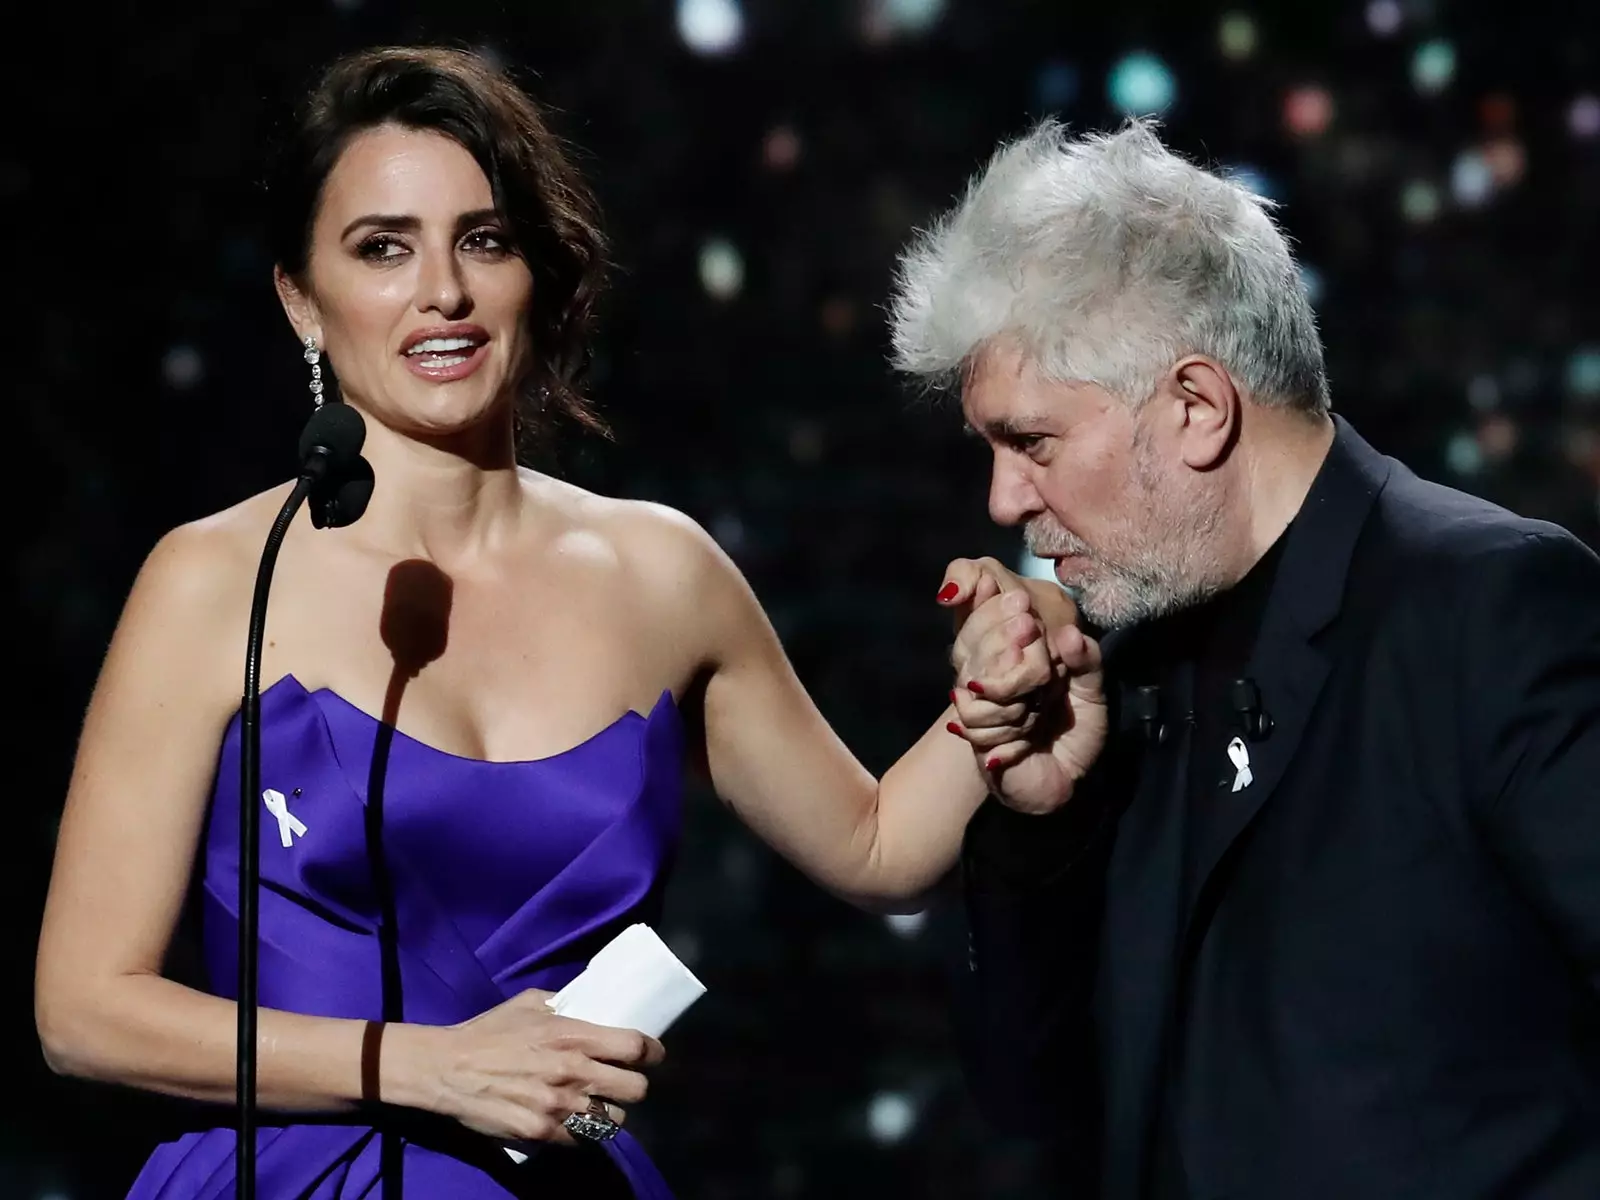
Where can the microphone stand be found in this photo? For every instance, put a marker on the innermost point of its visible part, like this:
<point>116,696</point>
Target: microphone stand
<point>331,471</point>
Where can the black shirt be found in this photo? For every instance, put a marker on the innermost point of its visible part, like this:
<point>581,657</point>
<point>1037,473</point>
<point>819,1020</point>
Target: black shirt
<point>1212,643</point>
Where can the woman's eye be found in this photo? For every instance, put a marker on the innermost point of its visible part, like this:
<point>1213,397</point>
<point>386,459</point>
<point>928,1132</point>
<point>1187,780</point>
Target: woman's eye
<point>379,247</point>
<point>487,241</point>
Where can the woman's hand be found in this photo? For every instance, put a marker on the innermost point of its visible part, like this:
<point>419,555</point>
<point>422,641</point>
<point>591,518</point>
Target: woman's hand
<point>1029,691</point>
<point>519,1070</point>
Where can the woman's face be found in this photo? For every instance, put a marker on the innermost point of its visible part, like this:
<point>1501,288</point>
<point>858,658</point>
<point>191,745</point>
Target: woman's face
<point>414,289</point>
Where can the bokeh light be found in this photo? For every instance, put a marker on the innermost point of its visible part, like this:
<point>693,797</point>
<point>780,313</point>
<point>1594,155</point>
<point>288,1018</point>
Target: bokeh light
<point>1506,160</point>
<point>182,367</point>
<point>1307,110</point>
<point>710,26</point>
<point>1419,201</point>
<point>721,269</point>
<point>1236,36</point>
<point>890,1116</point>
<point>1141,85</point>
<point>1583,117</point>
<point>1311,279</point>
<point>1384,17</point>
<point>1252,179</point>
<point>1583,373</point>
<point>1433,66</point>
<point>1471,180</point>
<point>1463,454</point>
<point>900,17</point>
<point>780,149</point>
<point>1483,393</point>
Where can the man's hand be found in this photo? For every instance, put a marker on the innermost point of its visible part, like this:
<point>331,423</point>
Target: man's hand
<point>1028,683</point>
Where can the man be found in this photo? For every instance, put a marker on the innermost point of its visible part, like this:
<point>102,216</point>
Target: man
<point>1316,913</point>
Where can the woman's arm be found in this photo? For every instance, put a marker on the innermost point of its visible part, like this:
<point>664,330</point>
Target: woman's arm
<point>773,758</point>
<point>128,837</point>
<point>126,846</point>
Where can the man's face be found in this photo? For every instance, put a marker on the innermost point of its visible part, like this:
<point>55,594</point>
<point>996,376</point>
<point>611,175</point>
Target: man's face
<point>1130,527</point>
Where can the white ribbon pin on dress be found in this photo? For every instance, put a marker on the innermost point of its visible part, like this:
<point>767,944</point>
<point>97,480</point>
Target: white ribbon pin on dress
<point>1239,756</point>
<point>288,824</point>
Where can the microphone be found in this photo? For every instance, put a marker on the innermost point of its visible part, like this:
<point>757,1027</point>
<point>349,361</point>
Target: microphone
<point>1143,707</point>
<point>331,441</point>
<point>339,482</point>
<point>1244,697</point>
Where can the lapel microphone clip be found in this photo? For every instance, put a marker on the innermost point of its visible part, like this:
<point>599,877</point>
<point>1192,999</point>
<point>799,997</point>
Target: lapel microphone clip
<point>1245,699</point>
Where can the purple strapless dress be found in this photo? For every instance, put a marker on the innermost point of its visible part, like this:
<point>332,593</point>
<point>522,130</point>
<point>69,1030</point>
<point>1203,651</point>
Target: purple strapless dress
<point>488,878</point>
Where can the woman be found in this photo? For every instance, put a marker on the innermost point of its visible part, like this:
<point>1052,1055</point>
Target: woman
<point>549,657</point>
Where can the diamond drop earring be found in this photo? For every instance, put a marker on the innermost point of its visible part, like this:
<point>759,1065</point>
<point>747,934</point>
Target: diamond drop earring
<point>314,357</point>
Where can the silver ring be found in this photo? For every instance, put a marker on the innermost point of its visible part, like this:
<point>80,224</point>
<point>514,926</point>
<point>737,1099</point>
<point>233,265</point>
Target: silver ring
<point>593,1125</point>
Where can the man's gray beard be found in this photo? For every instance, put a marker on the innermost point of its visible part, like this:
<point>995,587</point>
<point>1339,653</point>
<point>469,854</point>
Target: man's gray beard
<point>1143,587</point>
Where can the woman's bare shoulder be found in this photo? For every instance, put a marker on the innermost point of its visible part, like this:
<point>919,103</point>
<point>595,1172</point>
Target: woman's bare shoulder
<point>199,575</point>
<point>210,548</point>
<point>638,536</point>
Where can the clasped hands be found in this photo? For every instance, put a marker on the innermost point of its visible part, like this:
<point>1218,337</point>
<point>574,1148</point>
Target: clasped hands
<point>1029,696</point>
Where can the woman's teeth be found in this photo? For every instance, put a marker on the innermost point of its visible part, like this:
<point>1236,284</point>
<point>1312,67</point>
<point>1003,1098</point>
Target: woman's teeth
<point>438,351</point>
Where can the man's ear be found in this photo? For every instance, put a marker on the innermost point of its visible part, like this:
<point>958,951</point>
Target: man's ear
<point>1210,404</point>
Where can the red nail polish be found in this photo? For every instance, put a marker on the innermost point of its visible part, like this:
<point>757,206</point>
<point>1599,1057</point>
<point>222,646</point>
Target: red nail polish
<point>975,688</point>
<point>991,764</point>
<point>948,592</point>
<point>954,728</point>
<point>952,695</point>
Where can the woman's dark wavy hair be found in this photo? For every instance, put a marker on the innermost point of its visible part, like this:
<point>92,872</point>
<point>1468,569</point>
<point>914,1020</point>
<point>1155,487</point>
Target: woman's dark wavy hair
<point>551,212</point>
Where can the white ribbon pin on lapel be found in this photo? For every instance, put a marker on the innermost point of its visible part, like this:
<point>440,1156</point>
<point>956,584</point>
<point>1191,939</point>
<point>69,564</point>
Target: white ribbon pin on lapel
<point>1239,756</point>
<point>288,824</point>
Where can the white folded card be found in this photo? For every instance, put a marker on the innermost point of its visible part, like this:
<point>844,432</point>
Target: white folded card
<point>634,982</point>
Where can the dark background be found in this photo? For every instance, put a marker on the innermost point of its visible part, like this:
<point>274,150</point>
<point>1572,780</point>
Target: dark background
<point>1438,167</point>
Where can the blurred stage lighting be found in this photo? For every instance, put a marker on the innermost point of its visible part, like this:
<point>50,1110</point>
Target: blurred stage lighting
<point>721,269</point>
<point>1384,17</point>
<point>1141,85</point>
<point>1583,118</point>
<point>1307,110</point>
<point>1236,36</point>
<point>1311,280</point>
<point>890,18</point>
<point>710,26</point>
<point>1483,393</point>
<point>1507,161</point>
<point>1251,180</point>
<point>182,367</point>
<point>1056,85</point>
<point>907,925</point>
<point>890,1116</point>
<point>1419,201</point>
<point>1433,66</point>
<point>1471,181</point>
<point>1463,454</point>
<point>781,149</point>
<point>1583,373</point>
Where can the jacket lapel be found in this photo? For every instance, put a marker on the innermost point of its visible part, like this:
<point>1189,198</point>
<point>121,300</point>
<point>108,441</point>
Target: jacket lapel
<point>1140,931</point>
<point>1145,924</point>
<point>1287,665</point>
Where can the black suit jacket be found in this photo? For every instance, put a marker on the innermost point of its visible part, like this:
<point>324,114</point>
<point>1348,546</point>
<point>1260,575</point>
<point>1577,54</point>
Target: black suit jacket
<point>1385,985</point>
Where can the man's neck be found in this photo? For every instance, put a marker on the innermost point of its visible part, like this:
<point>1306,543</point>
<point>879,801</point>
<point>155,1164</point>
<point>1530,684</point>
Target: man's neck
<point>1284,451</point>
